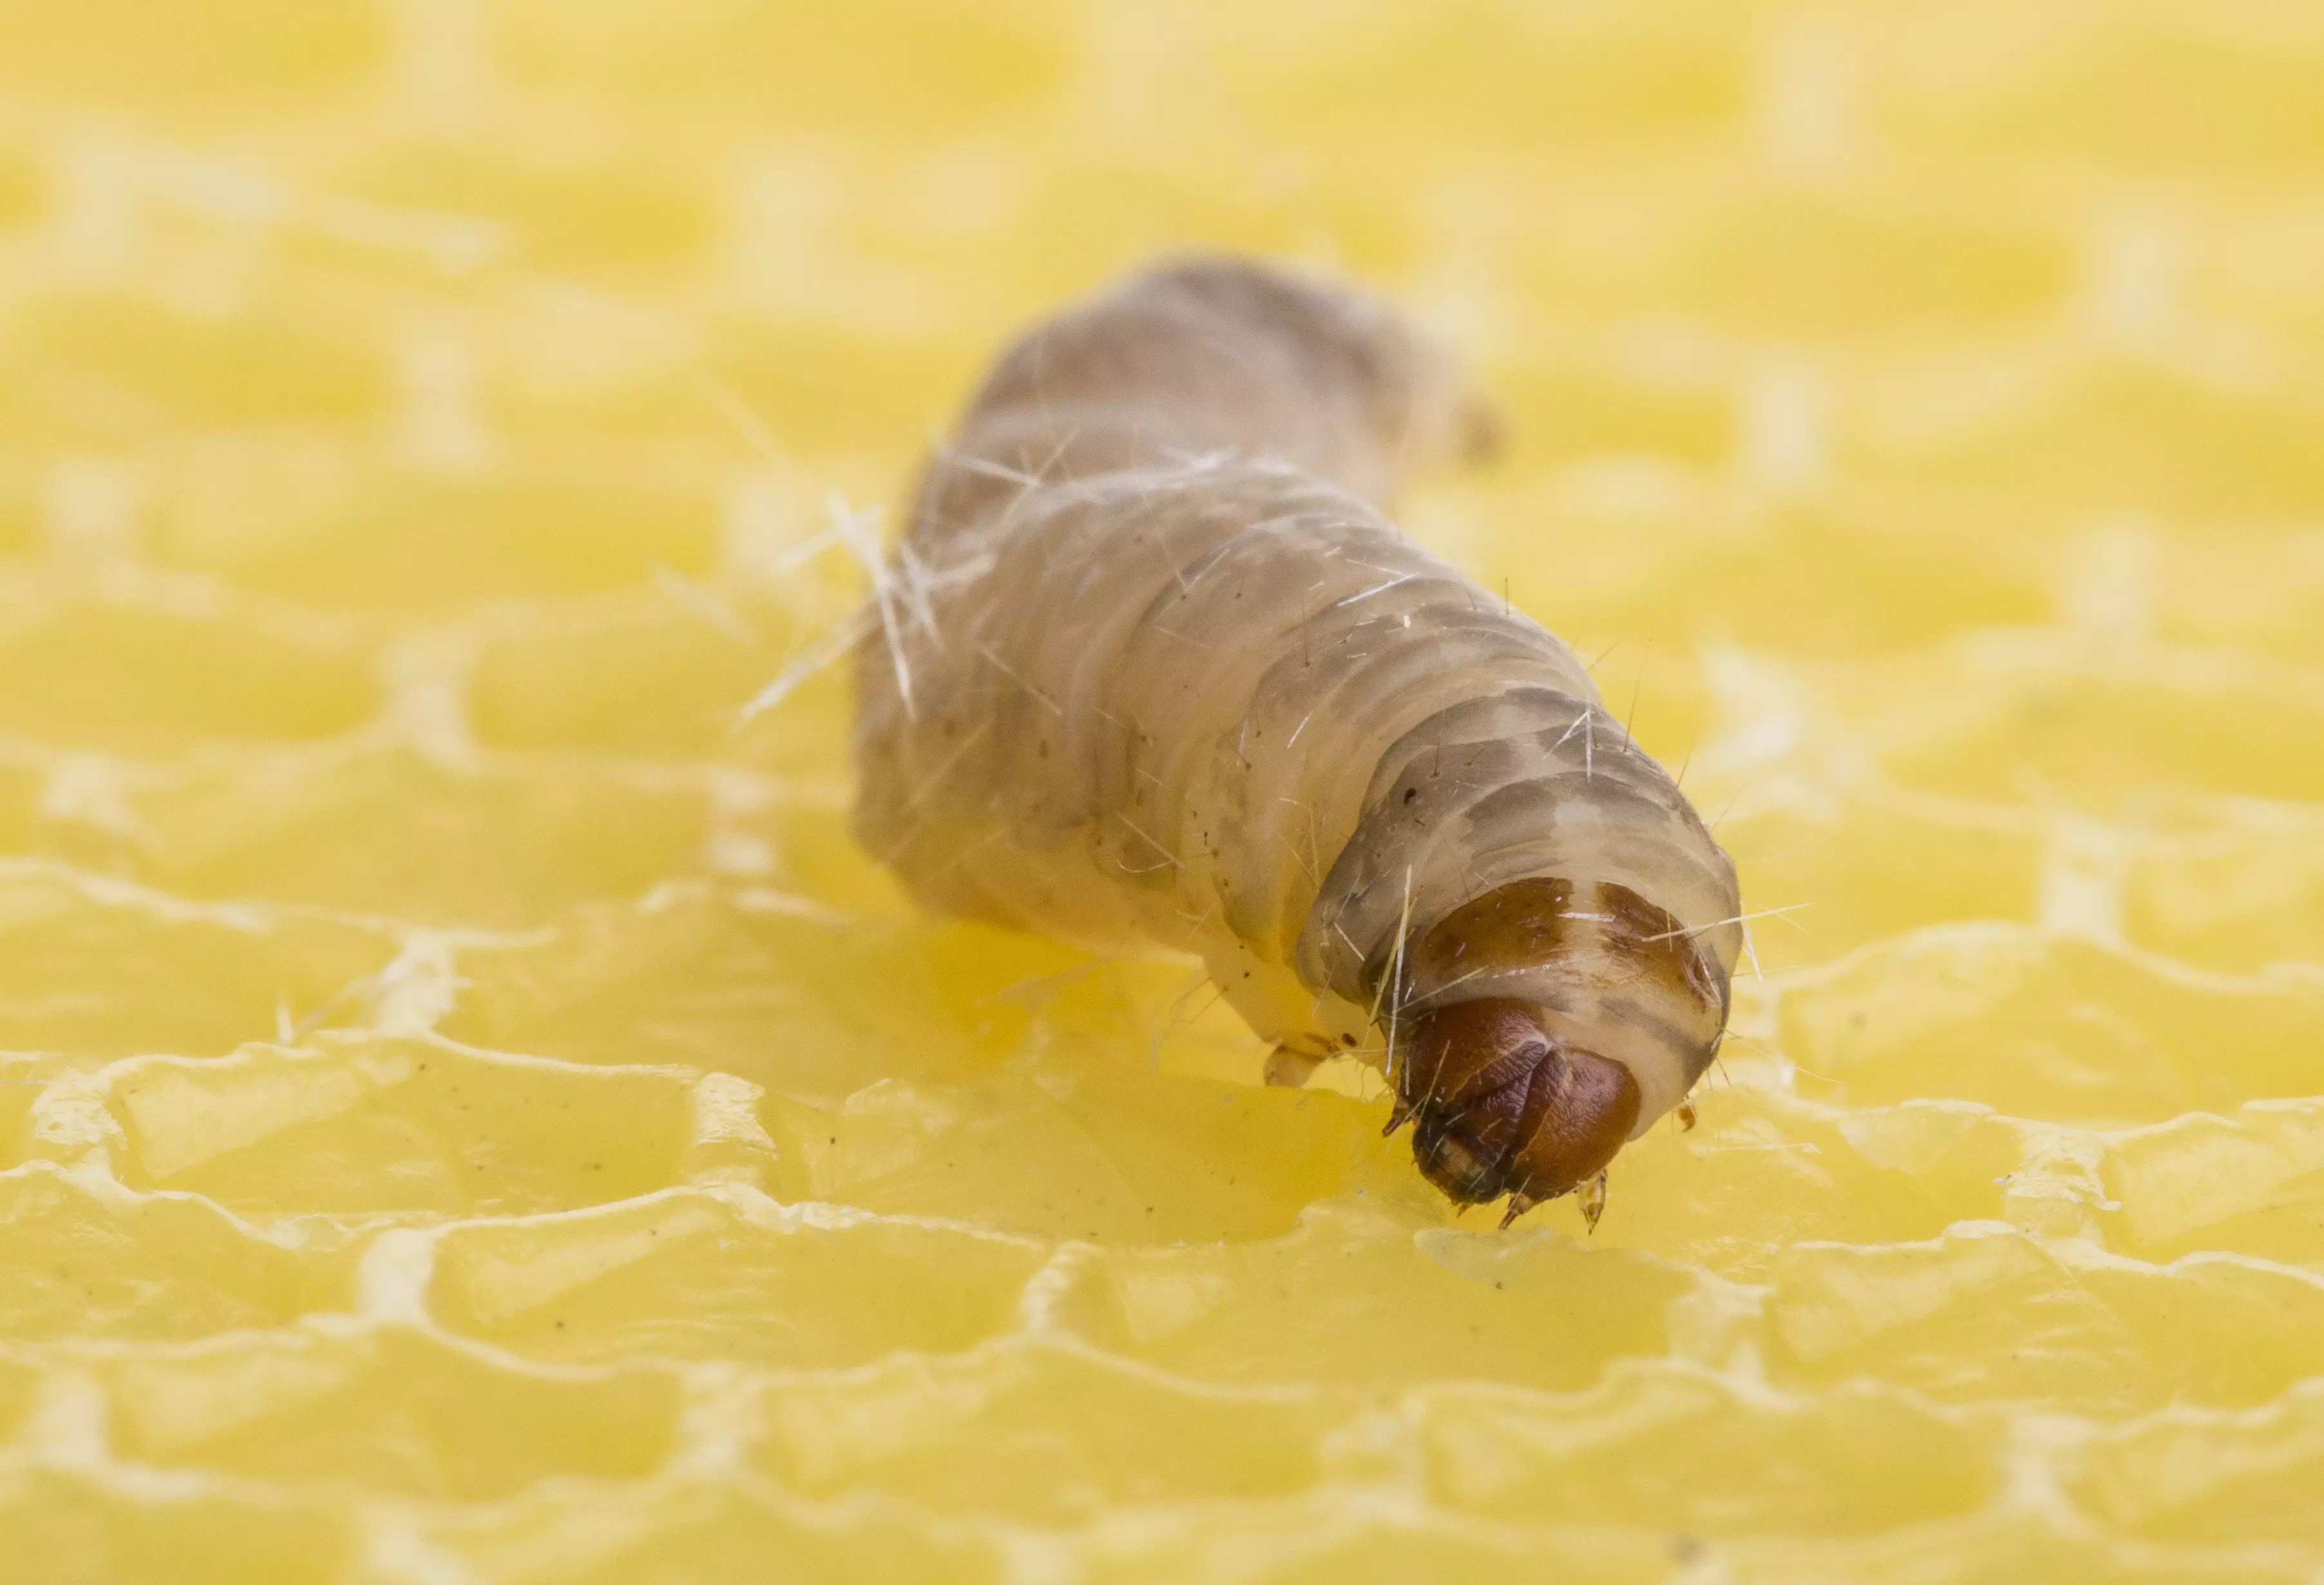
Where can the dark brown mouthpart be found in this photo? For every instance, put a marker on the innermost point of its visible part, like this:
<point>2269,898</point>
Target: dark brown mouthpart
<point>1502,1106</point>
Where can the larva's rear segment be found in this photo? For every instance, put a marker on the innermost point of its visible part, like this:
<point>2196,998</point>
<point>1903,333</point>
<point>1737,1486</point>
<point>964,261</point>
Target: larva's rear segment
<point>1152,669</point>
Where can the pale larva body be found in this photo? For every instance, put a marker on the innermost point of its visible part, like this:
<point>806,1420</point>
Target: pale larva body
<point>1155,668</point>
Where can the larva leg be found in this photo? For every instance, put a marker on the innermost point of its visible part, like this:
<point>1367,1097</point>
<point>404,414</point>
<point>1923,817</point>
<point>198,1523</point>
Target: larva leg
<point>1592,1198</point>
<point>1290,1070</point>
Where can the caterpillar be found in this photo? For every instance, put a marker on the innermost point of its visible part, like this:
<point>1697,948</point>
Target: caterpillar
<point>1153,667</point>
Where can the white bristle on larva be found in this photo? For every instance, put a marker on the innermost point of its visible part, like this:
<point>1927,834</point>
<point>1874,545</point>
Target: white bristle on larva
<point>1152,667</point>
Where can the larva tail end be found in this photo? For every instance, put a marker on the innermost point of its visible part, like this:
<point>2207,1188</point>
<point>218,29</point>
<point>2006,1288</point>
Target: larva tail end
<point>1505,1106</point>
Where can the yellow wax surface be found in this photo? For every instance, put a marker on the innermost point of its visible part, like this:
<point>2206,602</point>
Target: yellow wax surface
<point>469,1116</point>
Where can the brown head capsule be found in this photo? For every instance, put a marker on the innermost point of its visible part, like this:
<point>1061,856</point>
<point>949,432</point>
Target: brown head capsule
<point>1502,1106</point>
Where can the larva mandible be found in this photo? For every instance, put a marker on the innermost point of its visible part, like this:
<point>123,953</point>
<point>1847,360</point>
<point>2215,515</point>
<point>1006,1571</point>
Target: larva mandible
<point>1154,667</point>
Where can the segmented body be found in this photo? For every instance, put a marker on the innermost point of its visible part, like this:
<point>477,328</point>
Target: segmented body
<point>1155,667</point>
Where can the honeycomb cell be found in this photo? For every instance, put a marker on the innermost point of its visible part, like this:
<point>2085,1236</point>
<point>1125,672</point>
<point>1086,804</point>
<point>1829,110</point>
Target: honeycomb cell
<point>371,539</point>
<point>20,1388</point>
<point>24,1081</point>
<point>1572,411</point>
<point>203,371</point>
<point>1325,1543</point>
<point>2221,1328</point>
<point>1353,1296</point>
<point>2232,1479</point>
<point>712,1534</point>
<point>1982,1315</point>
<point>1795,266</point>
<point>386,1410</point>
<point>1699,1195</point>
<point>1963,1156</point>
<point>783,993</point>
<point>1831,876</point>
<point>111,1265</point>
<point>1993,1551</point>
<point>791,69</point>
<point>1654,1448</point>
<point>21,786</point>
<point>1800,579</point>
<point>569,215</point>
<point>73,1530</point>
<point>2170,99</point>
<point>2252,1182</point>
<point>844,387</point>
<point>23,192</point>
<point>20,502</point>
<point>94,969</point>
<point>142,679</point>
<point>684,1277</point>
<point>1470,75</point>
<point>2235,893</point>
<point>655,679</point>
<point>398,834</point>
<point>2119,436</point>
<point>360,1125</point>
<point>1042,1435</point>
<point>2060,1028</point>
<point>2247,585</point>
<point>1125,1157</point>
<point>2029,727</point>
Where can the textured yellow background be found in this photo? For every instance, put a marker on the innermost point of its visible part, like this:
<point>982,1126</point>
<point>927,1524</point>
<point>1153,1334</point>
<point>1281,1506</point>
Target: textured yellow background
<point>471,1118</point>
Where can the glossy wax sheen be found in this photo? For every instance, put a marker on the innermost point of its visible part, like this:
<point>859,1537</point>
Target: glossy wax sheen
<point>471,1115</point>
